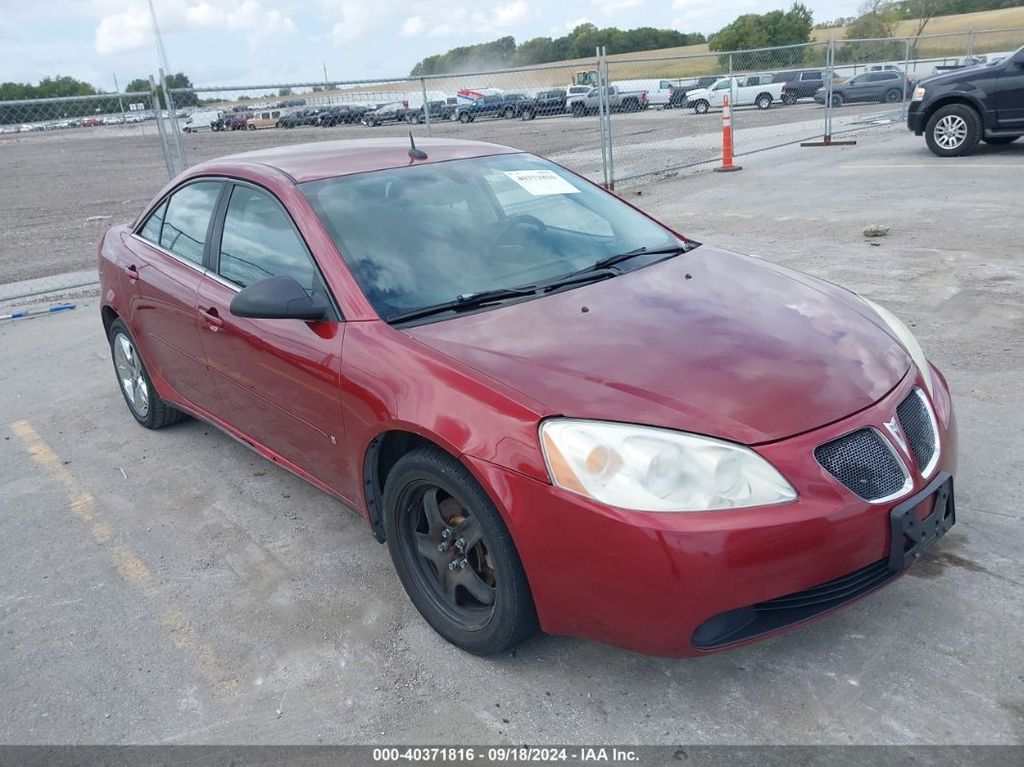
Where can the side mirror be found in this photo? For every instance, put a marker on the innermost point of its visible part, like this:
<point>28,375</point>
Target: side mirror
<point>278,298</point>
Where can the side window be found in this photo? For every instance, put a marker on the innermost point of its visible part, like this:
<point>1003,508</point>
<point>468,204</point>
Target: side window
<point>811,76</point>
<point>664,85</point>
<point>151,229</point>
<point>187,219</point>
<point>259,241</point>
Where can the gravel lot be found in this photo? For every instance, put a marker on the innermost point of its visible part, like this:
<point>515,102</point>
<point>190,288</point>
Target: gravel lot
<point>173,587</point>
<point>60,190</point>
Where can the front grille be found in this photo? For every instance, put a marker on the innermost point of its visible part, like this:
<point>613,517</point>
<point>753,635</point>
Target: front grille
<point>766,617</point>
<point>917,424</point>
<point>863,462</point>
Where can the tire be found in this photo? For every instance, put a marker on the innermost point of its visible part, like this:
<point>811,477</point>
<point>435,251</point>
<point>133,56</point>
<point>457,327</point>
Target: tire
<point>789,100</point>
<point>701,107</point>
<point>250,126</point>
<point>134,382</point>
<point>764,101</point>
<point>528,114</point>
<point>837,100</point>
<point>413,119</point>
<point>509,113</point>
<point>371,122</point>
<point>892,96</point>
<point>1000,140</point>
<point>431,500</point>
<point>465,117</point>
<point>953,131</point>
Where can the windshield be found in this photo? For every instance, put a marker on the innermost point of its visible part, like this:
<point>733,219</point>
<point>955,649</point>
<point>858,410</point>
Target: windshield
<point>418,236</point>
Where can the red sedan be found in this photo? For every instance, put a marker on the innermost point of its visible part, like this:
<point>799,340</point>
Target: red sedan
<point>556,411</point>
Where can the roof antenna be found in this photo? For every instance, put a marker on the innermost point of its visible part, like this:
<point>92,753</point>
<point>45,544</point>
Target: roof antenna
<point>414,153</point>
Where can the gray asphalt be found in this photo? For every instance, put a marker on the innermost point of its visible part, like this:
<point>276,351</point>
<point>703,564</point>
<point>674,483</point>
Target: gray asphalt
<point>173,587</point>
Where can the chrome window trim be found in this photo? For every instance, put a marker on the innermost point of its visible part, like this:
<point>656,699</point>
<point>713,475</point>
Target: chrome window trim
<point>160,249</point>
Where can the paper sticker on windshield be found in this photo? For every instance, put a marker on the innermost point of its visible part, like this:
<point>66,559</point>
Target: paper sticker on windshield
<point>541,182</point>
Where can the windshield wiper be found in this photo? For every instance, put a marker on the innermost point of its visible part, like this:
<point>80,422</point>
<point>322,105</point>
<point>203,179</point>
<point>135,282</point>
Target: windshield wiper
<point>464,302</point>
<point>600,270</point>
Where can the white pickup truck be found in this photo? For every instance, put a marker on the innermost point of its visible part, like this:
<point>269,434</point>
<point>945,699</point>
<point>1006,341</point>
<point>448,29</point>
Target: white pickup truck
<point>758,90</point>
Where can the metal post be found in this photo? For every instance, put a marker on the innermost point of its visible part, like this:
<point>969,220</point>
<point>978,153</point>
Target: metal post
<point>154,101</point>
<point>120,101</point>
<point>600,121</point>
<point>426,104</point>
<point>906,75</point>
<point>175,128</point>
<point>831,64</point>
<point>608,119</point>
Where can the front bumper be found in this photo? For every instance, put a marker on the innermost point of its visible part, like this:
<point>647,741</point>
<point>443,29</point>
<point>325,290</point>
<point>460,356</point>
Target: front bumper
<point>648,582</point>
<point>915,117</point>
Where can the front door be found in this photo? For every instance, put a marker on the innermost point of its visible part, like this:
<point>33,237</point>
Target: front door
<point>1009,96</point>
<point>279,380</point>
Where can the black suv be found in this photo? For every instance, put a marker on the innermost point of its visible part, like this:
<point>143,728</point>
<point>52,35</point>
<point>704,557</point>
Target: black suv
<point>958,109</point>
<point>346,114</point>
<point>886,86</point>
<point>439,110</point>
<point>801,84</point>
<point>544,103</point>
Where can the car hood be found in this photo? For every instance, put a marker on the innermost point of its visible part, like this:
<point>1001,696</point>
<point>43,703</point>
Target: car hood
<point>709,342</point>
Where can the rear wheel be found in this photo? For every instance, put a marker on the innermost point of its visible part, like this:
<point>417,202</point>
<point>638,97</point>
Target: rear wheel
<point>892,96</point>
<point>454,555</point>
<point>953,131</point>
<point>136,386</point>
<point>250,126</point>
<point>1000,140</point>
<point>509,113</point>
<point>764,101</point>
<point>701,107</point>
<point>413,119</point>
<point>528,113</point>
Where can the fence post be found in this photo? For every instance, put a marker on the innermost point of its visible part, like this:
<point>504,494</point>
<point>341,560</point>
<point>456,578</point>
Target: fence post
<point>426,104</point>
<point>154,102</point>
<point>906,76</point>
<point>600,112</point>
<point>175,128</point>
<point>608,120</point>
<point>830,65</point>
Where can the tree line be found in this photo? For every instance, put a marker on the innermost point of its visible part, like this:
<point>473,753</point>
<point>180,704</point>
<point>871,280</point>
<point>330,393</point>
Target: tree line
<point>580,43</point>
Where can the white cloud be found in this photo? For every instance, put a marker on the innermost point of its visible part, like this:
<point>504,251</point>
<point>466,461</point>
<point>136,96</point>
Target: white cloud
<point>481,21</point>
<point>612,7</point>
<point>125,25</point>
<point>414,26</point>
<point>710,15</point>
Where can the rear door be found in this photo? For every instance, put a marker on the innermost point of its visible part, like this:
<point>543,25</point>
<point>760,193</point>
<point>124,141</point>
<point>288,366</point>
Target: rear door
<point>279,380</point>
<point>1009,95</point>
<point>169,249</point>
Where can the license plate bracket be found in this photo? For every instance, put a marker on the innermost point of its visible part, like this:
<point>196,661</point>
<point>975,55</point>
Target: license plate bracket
<point>910,536</point>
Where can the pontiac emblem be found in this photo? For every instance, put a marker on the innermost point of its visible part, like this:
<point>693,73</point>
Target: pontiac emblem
<point>893,427</point>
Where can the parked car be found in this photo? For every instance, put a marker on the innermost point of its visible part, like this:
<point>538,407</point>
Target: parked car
<point>233,121</point>
<point>203,120</point>
<point>956,110</point>
<point>346,114</point>
<point>659,92</point>
<point>758,90</point>
<point>799,84</point>
<point>618,101</point>
<point>302,117</point>
<point>574,93</point>
<point>677,97</point>
<point>550,102</point>
<point>885,86</point>
<point>505,105</point>
<point>91,122</point>
<point>439,110</point>
<point>529,462</point>
<point>386,113</point>
<point>263,119</point>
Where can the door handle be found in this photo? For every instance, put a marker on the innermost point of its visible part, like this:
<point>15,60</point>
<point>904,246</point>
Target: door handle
<point>212,319</point>
<point>133,273</point>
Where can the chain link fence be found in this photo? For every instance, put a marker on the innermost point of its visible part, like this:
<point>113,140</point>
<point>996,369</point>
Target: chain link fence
<point>619,120</point>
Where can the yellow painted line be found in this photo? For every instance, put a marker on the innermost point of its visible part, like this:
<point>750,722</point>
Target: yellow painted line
<point>128,564</point>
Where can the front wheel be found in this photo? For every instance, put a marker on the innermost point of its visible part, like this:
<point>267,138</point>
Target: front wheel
<point>789,100</point>
<point>837,99</point>
<point>509,113</point>
<point>701,107</point>
<point>465,117</point>
<point>454,555</point>
<point>953,131</point>
<point>136,386</point>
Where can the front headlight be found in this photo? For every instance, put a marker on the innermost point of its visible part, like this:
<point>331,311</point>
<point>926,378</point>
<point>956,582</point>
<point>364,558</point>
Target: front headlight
<point>906,338</point>
<point>918,93</point>
<point>648,469</point>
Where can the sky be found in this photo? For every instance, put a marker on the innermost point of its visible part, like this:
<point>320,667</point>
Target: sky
<point>231,42</point>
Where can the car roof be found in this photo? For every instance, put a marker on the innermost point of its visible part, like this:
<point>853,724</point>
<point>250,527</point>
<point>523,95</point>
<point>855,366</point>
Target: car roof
<point>328,159</point>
